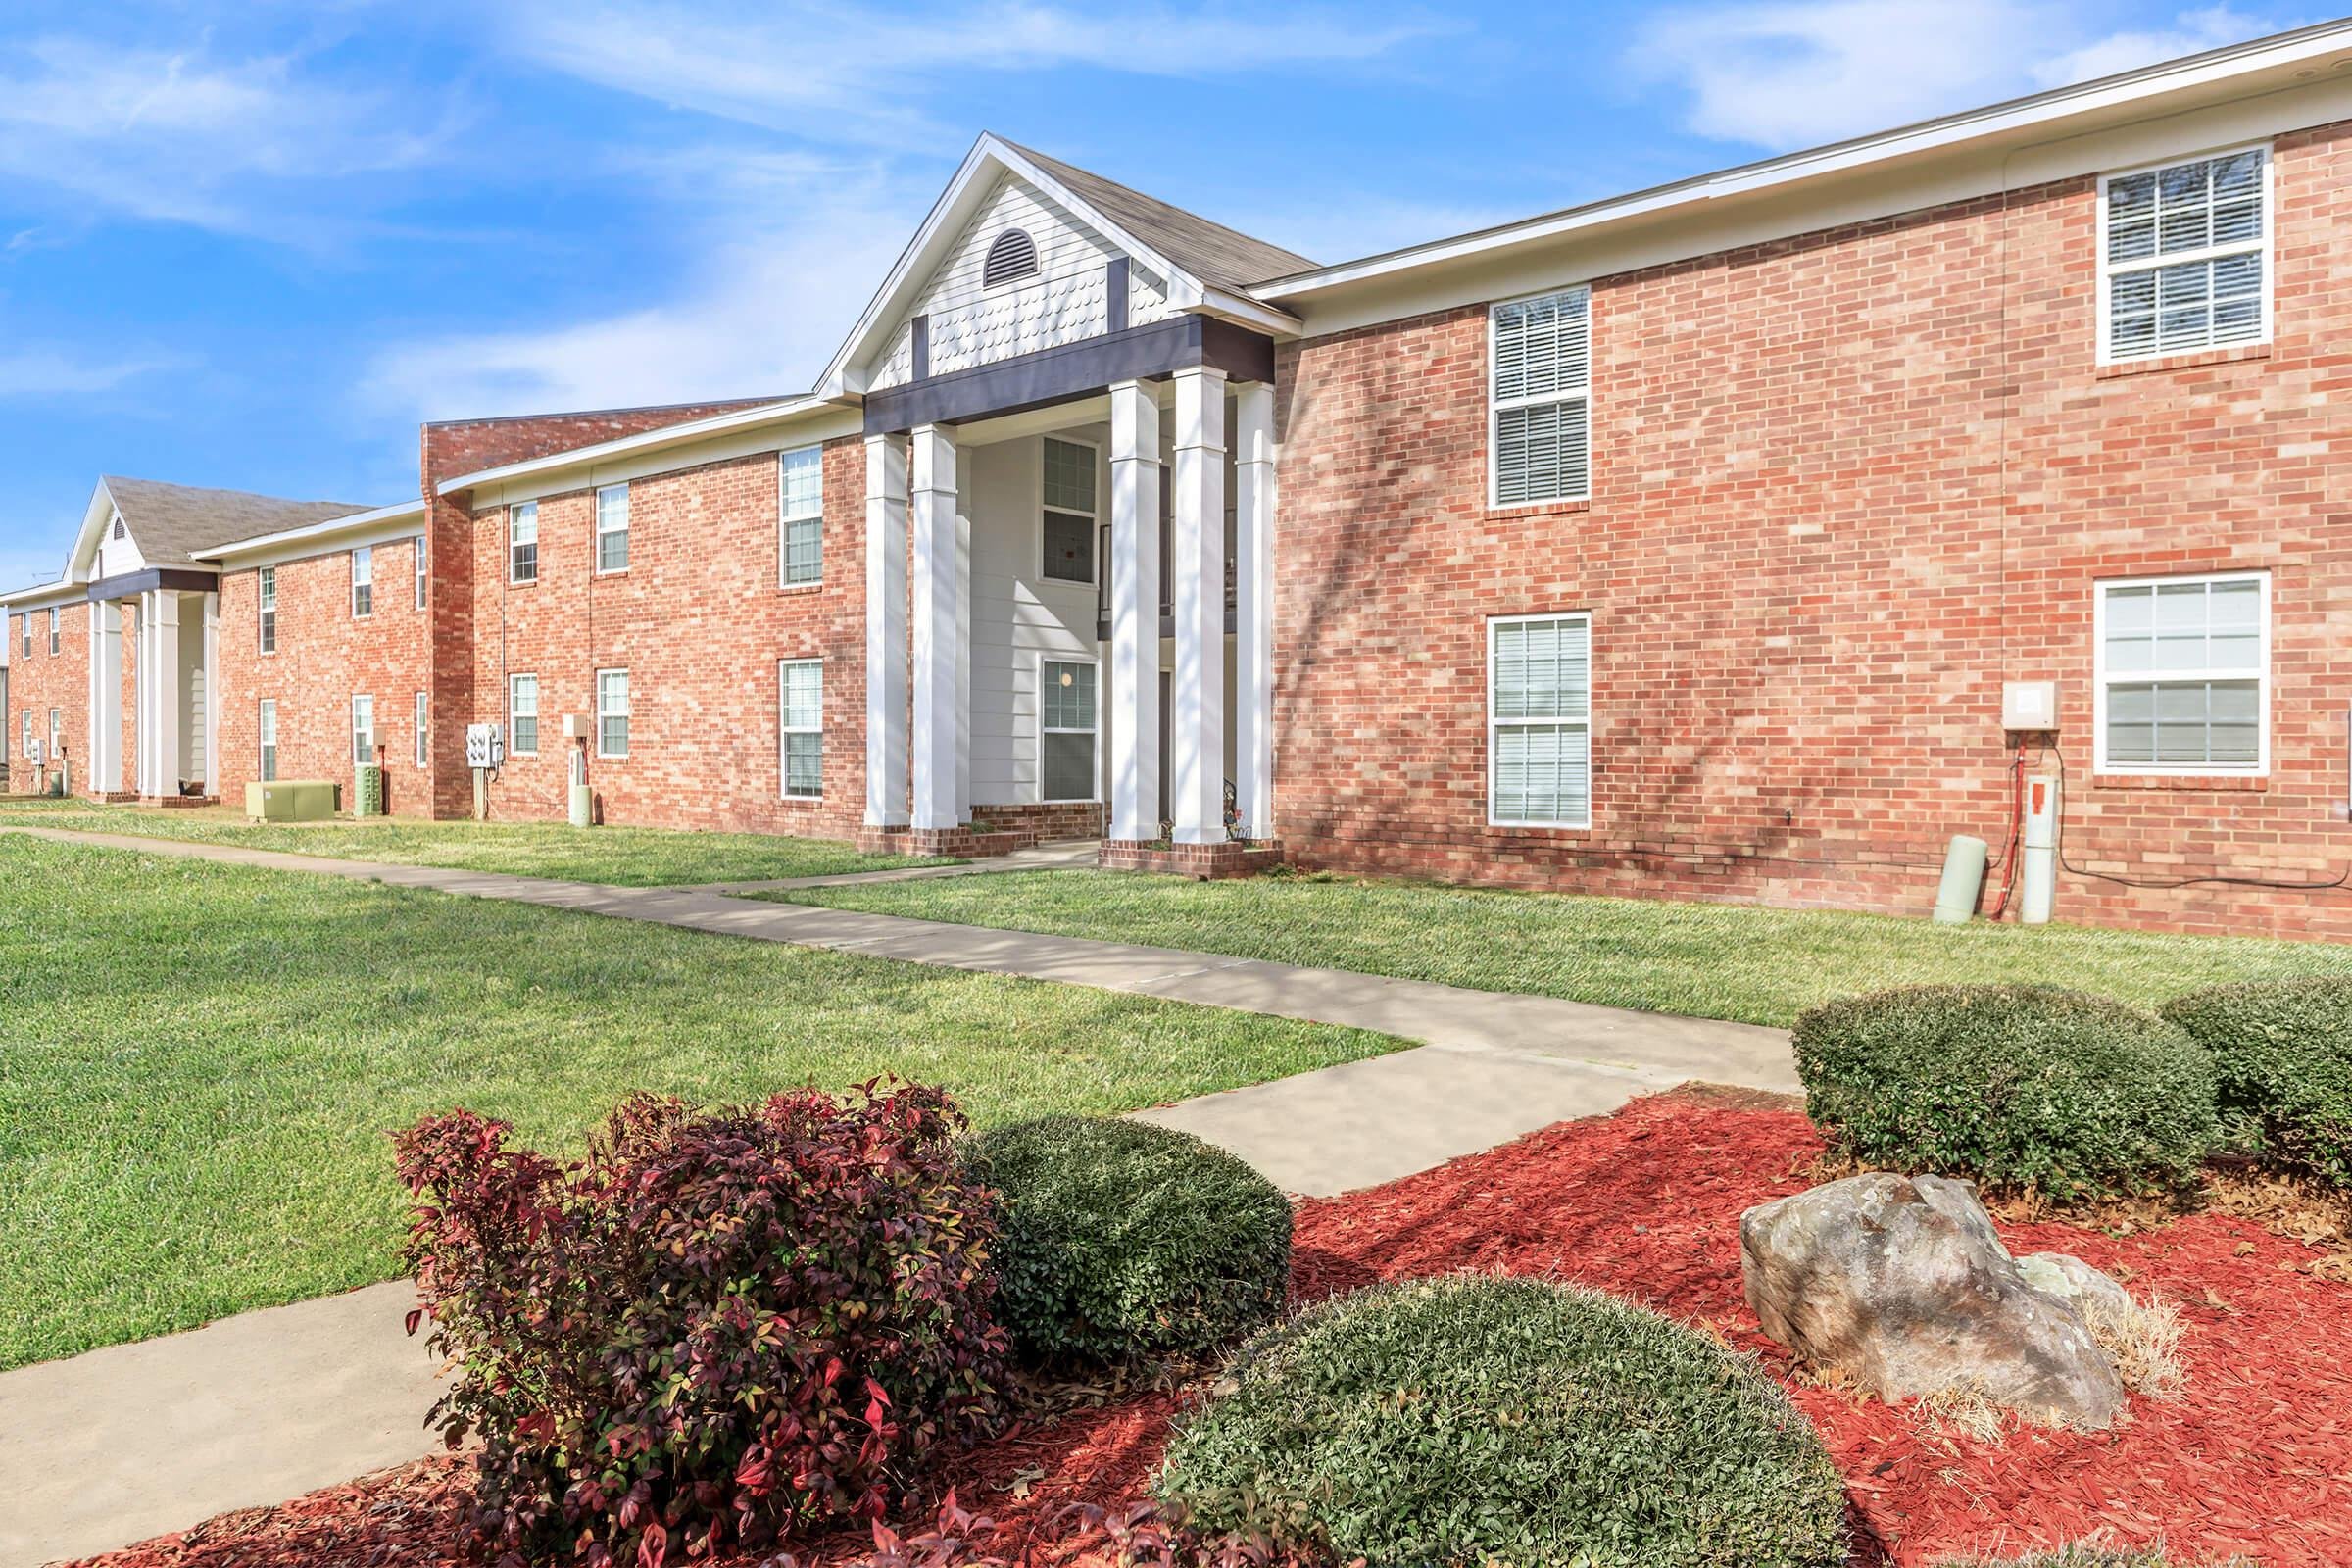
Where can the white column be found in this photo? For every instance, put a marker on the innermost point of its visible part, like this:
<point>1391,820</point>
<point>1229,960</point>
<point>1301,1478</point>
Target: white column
<point>886,777</point>
<point>212,693</point>
<point>160,696</point>
<point>938,738</point>
<point>102,750</point>
<point>963,659</point>
<point>1196,727</point>
<point>1134,612</point>
<point>1254,607</point>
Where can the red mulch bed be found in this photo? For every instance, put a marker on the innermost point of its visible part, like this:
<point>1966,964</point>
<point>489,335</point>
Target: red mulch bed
<point>2254,1456</point>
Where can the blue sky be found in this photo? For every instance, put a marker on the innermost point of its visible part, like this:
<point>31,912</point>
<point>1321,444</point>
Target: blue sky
<point>253,244</point>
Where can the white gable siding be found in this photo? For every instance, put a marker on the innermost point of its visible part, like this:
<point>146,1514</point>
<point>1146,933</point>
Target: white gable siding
<point>1064,301</point>
<point>118,556</point>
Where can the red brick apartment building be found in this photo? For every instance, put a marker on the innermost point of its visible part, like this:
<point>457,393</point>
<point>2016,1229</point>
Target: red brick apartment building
<point>1705,542</point>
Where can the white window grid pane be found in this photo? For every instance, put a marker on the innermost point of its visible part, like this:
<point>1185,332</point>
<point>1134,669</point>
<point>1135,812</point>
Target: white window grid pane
<point>523,714</point>
<point>422,729</point>
<point>612,528</point>
<point>612,713</point>
<point>363,581</point>
<point>802,689</point>
<point>2183,254</point>
<point>422,573</point>
<point>1069,476</point>
<point>1067,703</point>
<point>804,489</point>
<point>1540,680</point>
<point>1069,547</point>
<point>804,694</point>
<point>363,729</point>
<point>2184,677</point>
<point>1543,347</point>
<point>1543,452</point>
<point>803,550</point>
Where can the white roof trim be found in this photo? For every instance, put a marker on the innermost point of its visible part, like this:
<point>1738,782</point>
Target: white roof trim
<point>2124,90</point>
<point>971,184</point>
<point>61,590</point>
<point>647,441</point>
<point>398,512</point>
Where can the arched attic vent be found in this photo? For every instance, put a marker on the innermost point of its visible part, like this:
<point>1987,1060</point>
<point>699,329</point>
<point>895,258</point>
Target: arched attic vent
<point>1012,255</point>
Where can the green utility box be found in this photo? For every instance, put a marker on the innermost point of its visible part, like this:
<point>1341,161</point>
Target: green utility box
<point>305,799</point>
<point>370,791</point>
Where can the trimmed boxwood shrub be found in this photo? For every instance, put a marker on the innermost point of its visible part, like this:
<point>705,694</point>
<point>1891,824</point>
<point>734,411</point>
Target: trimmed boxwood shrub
<point>1123,1240</point>
<point>720,1328</point>
<point>1467,1420</point>
<point>2282,1052</point>
<point>2023,1088</point>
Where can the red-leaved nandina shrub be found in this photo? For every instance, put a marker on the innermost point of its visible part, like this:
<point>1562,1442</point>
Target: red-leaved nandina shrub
<point>719,1329</point>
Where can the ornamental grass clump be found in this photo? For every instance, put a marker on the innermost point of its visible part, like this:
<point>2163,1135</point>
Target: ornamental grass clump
<point>1124,1240</point>
<point>2282,1052</point>
<point>1469,1420</point>
<point>720,1329</point>
<point>2024,1089</point>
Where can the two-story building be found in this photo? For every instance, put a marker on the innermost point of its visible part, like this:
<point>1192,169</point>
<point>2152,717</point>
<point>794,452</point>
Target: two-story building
<point>1683,543</point>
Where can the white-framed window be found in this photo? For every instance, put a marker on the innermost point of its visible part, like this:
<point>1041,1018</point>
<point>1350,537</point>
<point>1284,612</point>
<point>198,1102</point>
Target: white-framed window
<point>25,741</point>
<point>523,542</point>
<point>423,570</point>
<point>801,719</point>
<point>1066,529</point>
<point>269,602</point>
<point>2183,674</point>
<point>612,713</point>
<point>612,528</point>
<point>267,727</point>
<point>1540,721</point>
<point>363,729</point>
<point>801,505</point>
<point>423,729</point>
<point>1540,428</point>
<point>24,623</point>
<point>362,582</point>
<point>56,733</point>
<point>1067,711</point>
<point>56,636</point>
<point>2185,255</point>
<point>522,716</point>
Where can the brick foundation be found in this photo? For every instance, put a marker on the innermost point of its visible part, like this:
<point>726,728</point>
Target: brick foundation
<point>1048,822</point>
<point>1202,862</point>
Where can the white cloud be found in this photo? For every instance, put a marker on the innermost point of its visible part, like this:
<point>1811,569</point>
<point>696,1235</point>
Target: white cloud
<point>182,137</point>
<point>843,73</point>
<point>1806,71</point>
<point>794,246</point>
<point>46,372</point>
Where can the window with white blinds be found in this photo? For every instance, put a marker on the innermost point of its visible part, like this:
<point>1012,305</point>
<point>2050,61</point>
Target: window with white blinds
<point>1540,721</point>
<point>1540,395</point>
<point>2183,674</point>
<point>2185,257</point>
<point>801,502</point>
<point>802,683</point>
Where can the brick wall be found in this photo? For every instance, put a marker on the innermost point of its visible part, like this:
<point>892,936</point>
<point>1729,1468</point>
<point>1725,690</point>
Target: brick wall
<point>325,655</point>
<point>699,624</point>
<point>1844,485</point>
<point>42,681</point>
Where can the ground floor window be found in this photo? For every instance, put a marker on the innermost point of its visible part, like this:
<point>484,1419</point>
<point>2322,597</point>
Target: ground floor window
<point>1066,712</point>
<point>2183,674</point>
<point>24,748</point>
<point>423,711</point>
<point>612,713</point>
<point>362,730</point>
<point>1540,721</point>
<point>268,732</point>
<point>801,682</point>
<point>56,733</point>
<point>523,714</point>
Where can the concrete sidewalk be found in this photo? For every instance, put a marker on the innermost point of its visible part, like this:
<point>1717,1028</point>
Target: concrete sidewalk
<point>127,1441</point>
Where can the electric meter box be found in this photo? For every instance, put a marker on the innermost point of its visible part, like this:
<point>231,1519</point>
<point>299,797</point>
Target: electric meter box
<point>485,746</point>
<point>575,726</point>
<point>2030,704</point>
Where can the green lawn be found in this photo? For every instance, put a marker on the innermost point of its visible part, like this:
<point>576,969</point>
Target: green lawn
<point>623,856</point>
<point>199,1064</point>
<point>1701,960</point>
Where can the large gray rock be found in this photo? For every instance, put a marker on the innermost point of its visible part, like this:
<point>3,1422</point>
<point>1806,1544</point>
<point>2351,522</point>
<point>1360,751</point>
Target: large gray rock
<point>1903,1284</point>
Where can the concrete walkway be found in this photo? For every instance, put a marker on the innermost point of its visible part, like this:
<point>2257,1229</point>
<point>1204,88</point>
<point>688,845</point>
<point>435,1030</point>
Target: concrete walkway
<point>127,1441</point>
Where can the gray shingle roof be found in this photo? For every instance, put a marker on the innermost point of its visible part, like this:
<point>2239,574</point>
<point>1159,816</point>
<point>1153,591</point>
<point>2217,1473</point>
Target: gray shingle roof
<point>1218,256</point>
<point>170,523</point>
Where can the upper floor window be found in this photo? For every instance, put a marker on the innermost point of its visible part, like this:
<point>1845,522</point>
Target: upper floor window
<point>25,625</point>
<point>1011,256</point>
<point>612,528</point>
<point>801,547</point>
<point>1541,388</point>
<point>421,572</point>
<point>2185,257</point>
<point>2183,674</point>
<point>1069,512</point>
<point>1540,721</point>
<point>523,542</point>
<point>57,641</point>
<point>269,600</point>
<point>363,581</point>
